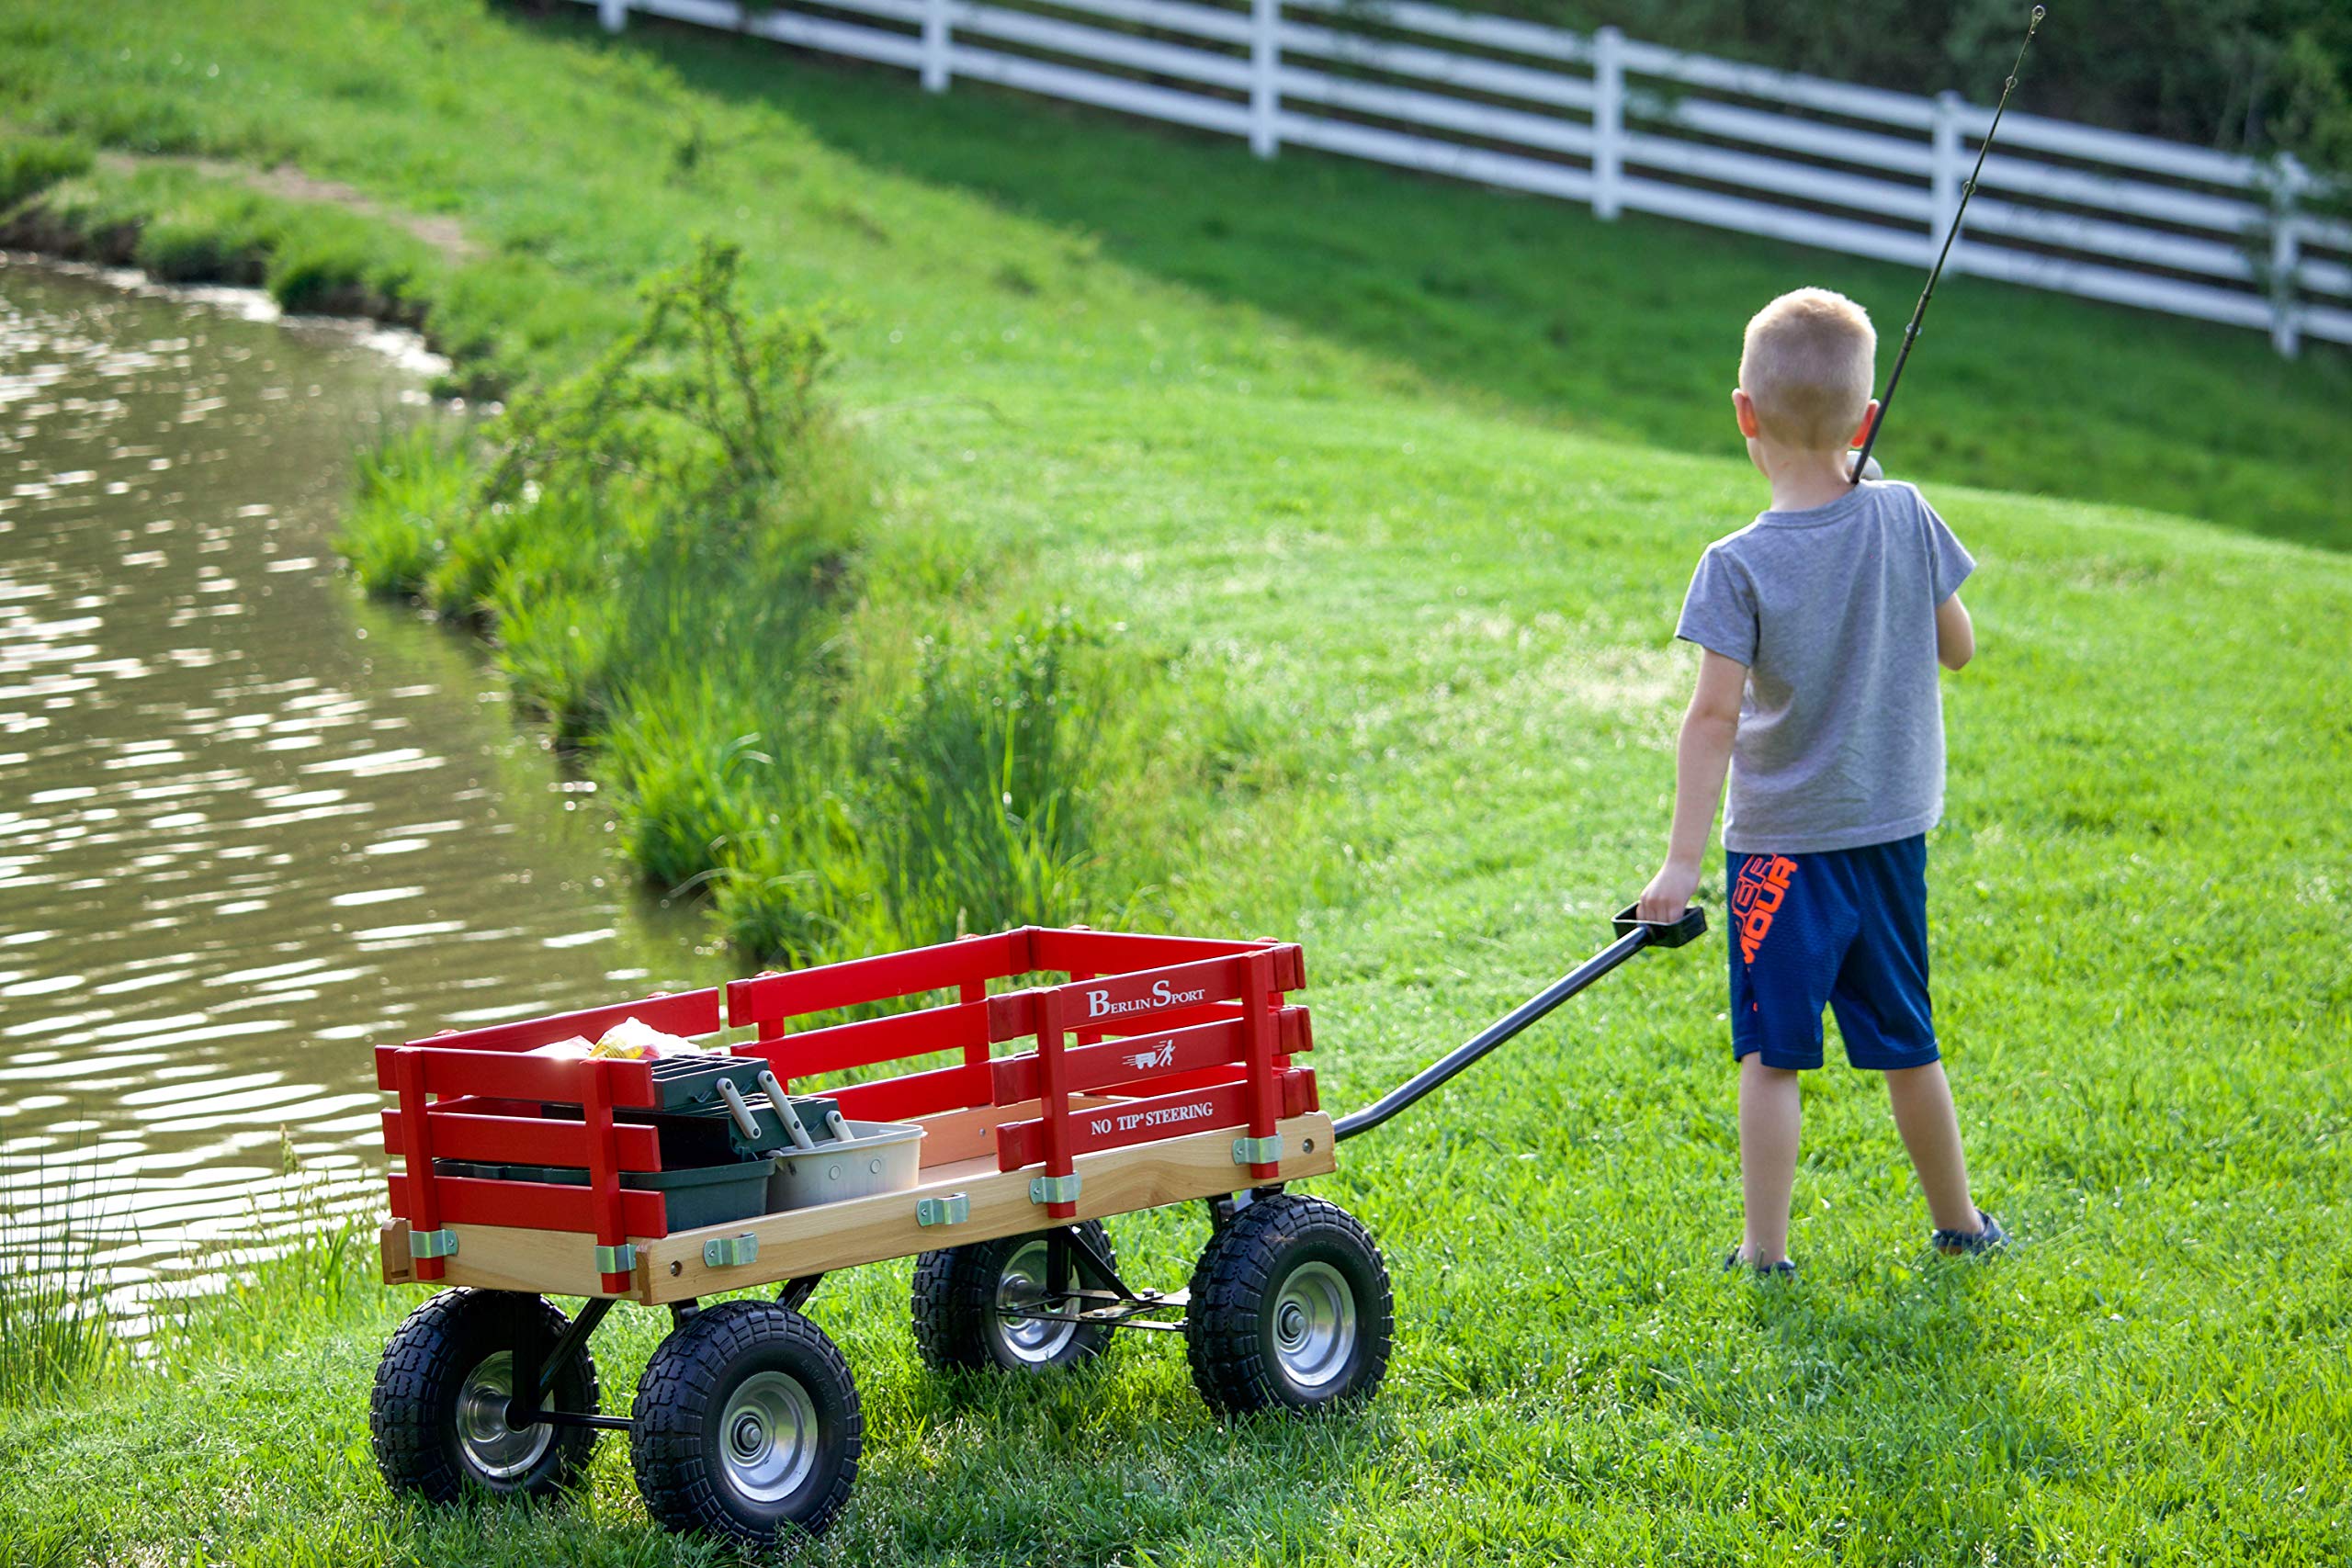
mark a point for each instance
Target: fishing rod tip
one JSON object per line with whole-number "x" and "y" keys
{"x": 2039, "y": 12}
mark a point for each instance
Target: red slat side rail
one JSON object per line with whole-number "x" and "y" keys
{"x": 770, "y": 998}
{"x": 1181, "y": 1018}
{"x": 1258, "y": 1001}
{"x": 603, "y": 1169}
{"x": 1055, "y": 1098}
{"x": 975, "y": 996}
{"x": 1015, "y": 1014}
{"x": 424, "y": 1212}
{"x": 1140, "y": 1057}
{"x": 1111, "y": 953}
{"x": 516, "y": 1074}
{"x": 530, "y": 1205}
{"x": 1207, "y": 1077}
{"x": 483, "y": 1105}
{"x": 916, "y": 1094}
{"x": 869, "y": 1041}
{"x": 1078, "y": 976}
{"x": 522, "y": 1140}
{"x": 1131, "y": 1121}
{"x": 1119, "y": 1001}
{"x": 686, "y": 1012}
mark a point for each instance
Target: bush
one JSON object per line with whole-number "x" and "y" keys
{"x": 30, "y": 165}
{"x": 669, "y": 550}
{"x": 182, "y": 249}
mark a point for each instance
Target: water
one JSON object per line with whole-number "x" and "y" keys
{"x": 251, "y": 824}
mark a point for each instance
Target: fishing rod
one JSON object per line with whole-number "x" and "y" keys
{"x": 1919, "y": 313}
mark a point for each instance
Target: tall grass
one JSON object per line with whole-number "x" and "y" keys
{"x": 55, "y": 1335}
{"x": 300, "y": 1268}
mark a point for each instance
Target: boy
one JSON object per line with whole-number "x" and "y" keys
{"x": 1821, "y": 623}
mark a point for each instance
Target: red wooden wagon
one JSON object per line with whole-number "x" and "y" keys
{"x": 1154, "y": 1070}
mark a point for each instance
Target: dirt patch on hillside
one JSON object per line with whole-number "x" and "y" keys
{"x": 444, "y": 233}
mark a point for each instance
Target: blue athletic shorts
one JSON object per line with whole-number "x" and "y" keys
{"x": 1844, "y": 929}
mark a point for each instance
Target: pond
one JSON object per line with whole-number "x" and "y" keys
{"x": 252, "y": 824}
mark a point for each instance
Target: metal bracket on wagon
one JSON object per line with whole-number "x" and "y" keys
{"x": 952, "y": 1210}
{"x": 726, "y": 1251}
{"x": 1054, "y": 1189}
{"x": 442, "y": 1243}
{"x": 621, "y": 1259}
{"x": 1267, "y": 1150}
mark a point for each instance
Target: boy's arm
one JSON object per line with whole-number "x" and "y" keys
{"x": 1700, "y": 762}
{"x": 1956, "y": 634}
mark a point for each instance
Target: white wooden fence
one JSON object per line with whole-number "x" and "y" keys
{"x": 1623, "y": 125}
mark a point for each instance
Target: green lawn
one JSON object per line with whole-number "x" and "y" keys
{"x": 1431, "y": 557}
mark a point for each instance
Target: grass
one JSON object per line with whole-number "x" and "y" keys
{"x": 1424, "y": 568}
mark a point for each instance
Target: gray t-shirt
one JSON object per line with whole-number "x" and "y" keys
{"x": 1832, "y": 611}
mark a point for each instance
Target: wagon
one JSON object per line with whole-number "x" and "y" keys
{"x": 1077, "y": 1075}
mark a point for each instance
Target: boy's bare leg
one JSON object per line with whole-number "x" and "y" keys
{"x": 1771, "y": 1114}
{"x": 1930, "y": 1129}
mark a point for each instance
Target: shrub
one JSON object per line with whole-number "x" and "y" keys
{"x": 667, "y": 550}
{"x": 30, "y": 165}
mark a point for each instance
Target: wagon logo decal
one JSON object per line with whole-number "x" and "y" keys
{"x": 1165, "y": 1056}
{"x": 1166, "y": 1116}
{"x": 1099, "y": 1005}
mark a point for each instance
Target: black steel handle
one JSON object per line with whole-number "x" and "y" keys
{"x": 1663, "y": 933}
{"x": 1632, "y": 936}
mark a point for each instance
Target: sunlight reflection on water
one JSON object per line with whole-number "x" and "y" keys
{"x": 251, "y": 824}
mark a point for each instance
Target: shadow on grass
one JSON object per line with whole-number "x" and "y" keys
{"x": 1112, "y": 1461}
{"x": 1893, "y": 1392}
{"x": 1629, "y": 329}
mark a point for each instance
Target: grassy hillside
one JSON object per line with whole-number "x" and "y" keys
{"x": 575, "y": 182}
{"x": 1426, "y": 567}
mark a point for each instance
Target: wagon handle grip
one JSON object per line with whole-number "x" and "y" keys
{"x": 1633, "y": 934}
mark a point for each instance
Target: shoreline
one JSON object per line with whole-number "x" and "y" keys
{"x": 408, "y": 348}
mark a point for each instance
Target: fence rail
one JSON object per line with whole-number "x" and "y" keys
{"x": 1622, "y": 125}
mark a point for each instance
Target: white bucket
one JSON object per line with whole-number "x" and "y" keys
{"x": 877, "y": 1156}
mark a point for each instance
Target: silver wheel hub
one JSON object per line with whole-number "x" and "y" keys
{"x": 768, "y": 1436}
{"x": 496, "y": 1449}
{"x": 1022, "y": 1288}
{"x": 1315, "y": 1325}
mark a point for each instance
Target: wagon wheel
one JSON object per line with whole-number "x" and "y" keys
{"x": 746, "y": 1426}
{"x": 1289, "y": 1309}
{"x": 438, "y": 1411}
{"x": 961, "y": 1294}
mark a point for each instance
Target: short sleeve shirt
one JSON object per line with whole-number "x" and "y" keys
{"x": 1833, "y": 612}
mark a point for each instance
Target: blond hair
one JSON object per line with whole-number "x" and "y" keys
{"x": 1806, "y": 364}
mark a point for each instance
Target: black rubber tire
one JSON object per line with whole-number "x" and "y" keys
{"x": 412, "y": 1413}
{"x": 1230, "y": 1328}
{"x": 678, "y": 1444}
{"x": 956, "y": 1326}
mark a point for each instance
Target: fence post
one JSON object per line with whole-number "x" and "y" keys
{"x": 1608, "y": 120}
{"x": 613, "y": 14}
{"x": 934, "y": 46}
{"x": 1943, "y": 168}
{"x": 1265, "y": 70}
{"x": 2286, "y": 257}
